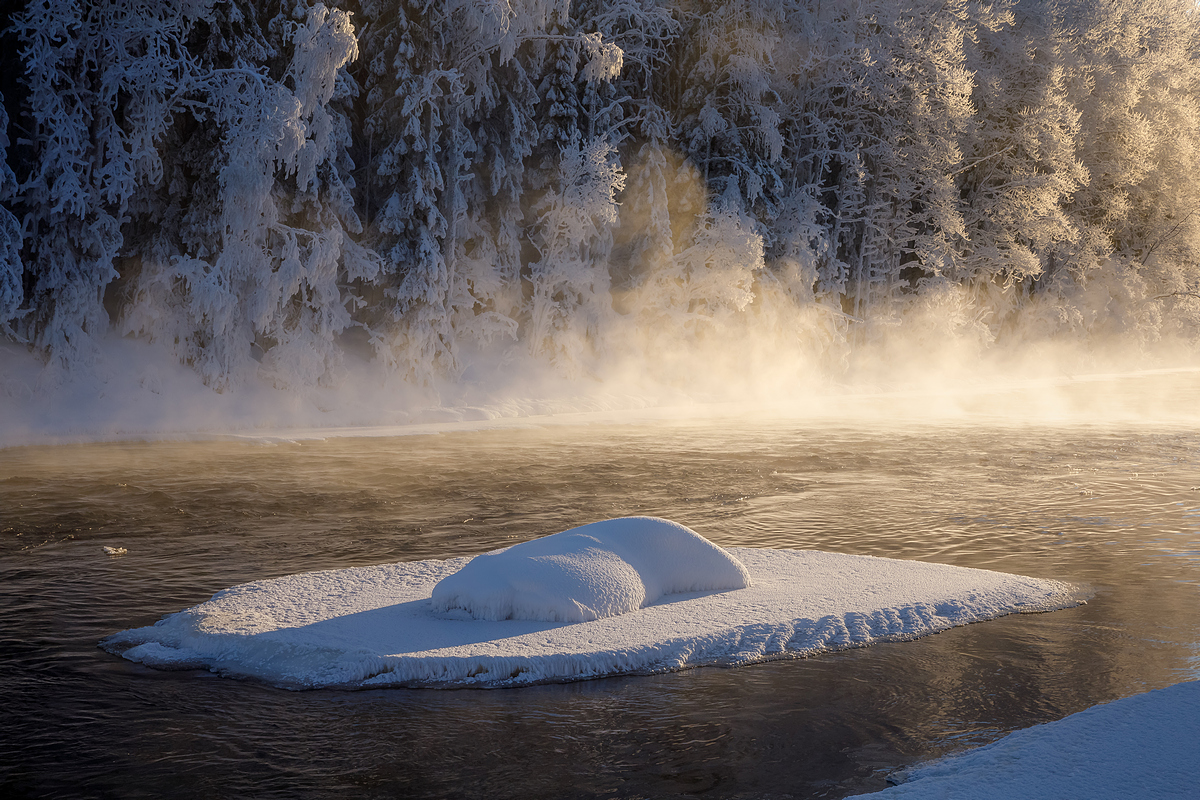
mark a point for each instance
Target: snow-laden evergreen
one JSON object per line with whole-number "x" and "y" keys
{"x": 10, "y": 232}
{"x": 101, "y": 80}
{"x": 252, "y": 253}
{"x": 260, "y": 186}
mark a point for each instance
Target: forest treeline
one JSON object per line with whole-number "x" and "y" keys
{"x": 266, "y": 186}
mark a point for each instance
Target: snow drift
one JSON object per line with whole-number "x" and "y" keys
{"x": 604, "y": 569}
{"x": 376, "y": 626}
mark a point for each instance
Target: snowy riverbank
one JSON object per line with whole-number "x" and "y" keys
{"x": 1146, "y": 746}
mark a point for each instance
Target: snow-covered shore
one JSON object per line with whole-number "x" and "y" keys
{"x": 1146, "y": 746}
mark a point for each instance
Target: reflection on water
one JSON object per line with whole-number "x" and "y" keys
{"x": 1118, "y": 508}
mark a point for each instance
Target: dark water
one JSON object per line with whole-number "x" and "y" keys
{"x": 1116, "y": 507}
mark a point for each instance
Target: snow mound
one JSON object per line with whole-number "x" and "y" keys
{"x": 599, "y": 570}
{"x": 376, "y": 626}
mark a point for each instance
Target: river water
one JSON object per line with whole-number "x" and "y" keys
{"x": 1114, "y": 506}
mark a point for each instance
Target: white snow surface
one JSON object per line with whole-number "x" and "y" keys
{"x": 607, "y": 568}
{"x": 375, "y": 626}
{"x": 1146, "y": 746}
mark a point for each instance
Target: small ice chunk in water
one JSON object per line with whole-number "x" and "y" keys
{"x": 599, "y": 570}
{"x": 114, "y": 551}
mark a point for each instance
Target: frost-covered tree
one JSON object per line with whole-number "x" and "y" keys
{"x": 444, "y": 125}
{"x": 11, "y": 271}
{"x": 492, "y": 231}
{"x": 414, "y": 96}
{"x": 456, "y": 121}
{"x": 103, "y": 80}
{"x": 1136, "y": 82}
{"x": 559, "y": 95}
{"x": 928, "y": 88}
{"x": 571, "y": 302}
{"x": 1021, "y": 168}
{"x": 876, "y": 100}
{"x": 703, "y": 285}
{"x": 573, "y": 202}
{"x": 248, "y": 261}
{"x": 728, "y": 109}
{"x": 662, "y": 195}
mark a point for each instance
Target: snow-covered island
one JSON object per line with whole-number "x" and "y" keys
{"x": 654, "y": 596}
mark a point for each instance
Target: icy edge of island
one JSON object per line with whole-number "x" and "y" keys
{"x": 375, "y": 626}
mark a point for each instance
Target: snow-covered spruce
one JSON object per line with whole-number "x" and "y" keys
{"x": 376, "y": 626}
{"x": 599, "y": 570}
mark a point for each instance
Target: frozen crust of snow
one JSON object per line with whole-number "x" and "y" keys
{"x": 375, "y": 626}
{"x": 1146, "y": 746}
{"x": 604, "y": 569}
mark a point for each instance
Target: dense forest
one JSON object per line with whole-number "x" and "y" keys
{"x": 265, "y": 187}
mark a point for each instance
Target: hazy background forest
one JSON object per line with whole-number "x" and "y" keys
{"x": 660, "y": 187}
